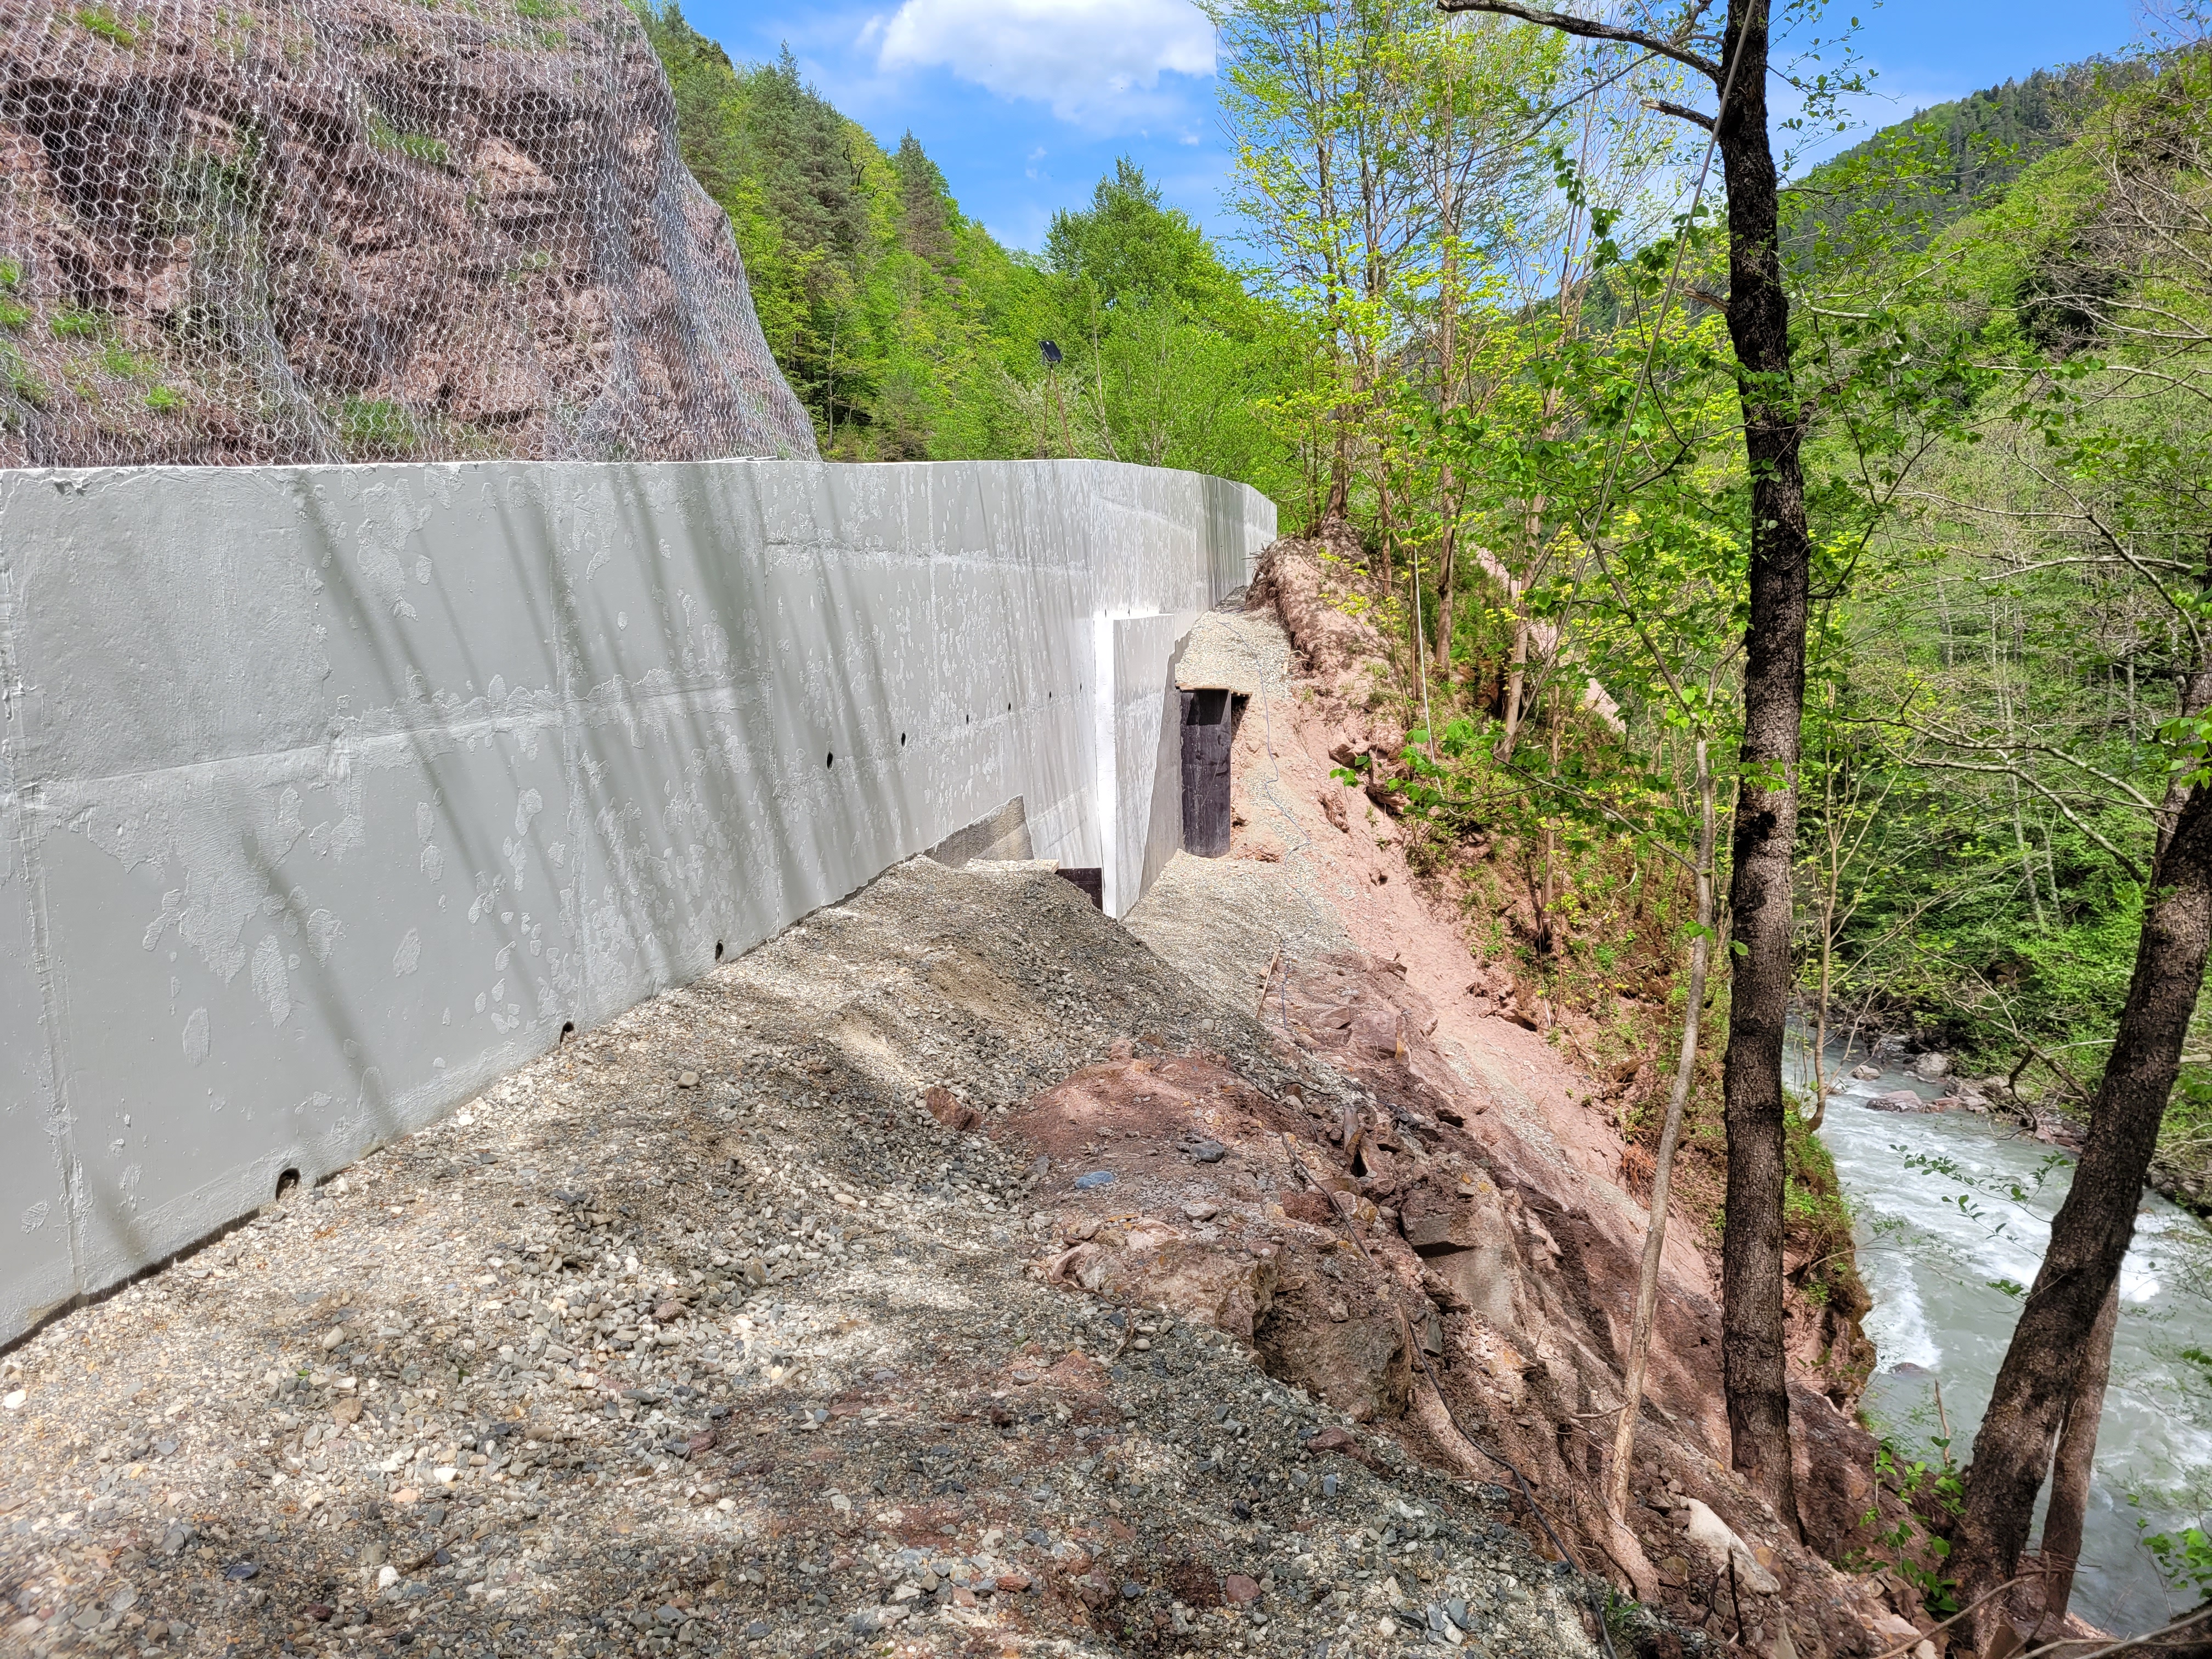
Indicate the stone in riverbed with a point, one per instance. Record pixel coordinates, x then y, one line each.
1899 1100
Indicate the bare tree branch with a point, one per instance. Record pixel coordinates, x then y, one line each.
1566 23
2029 778
1680 111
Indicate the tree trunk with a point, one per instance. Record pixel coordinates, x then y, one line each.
1517 676
2097 1222
1753 1363
2069 1471
1654 1232
1446 574
1755 1367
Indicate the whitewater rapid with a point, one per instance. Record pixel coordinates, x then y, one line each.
1942 1273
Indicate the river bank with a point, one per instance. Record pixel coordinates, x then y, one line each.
1953 1211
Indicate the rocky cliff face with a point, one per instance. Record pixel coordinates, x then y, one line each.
236 231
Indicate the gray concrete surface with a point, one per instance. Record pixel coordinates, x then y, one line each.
329 794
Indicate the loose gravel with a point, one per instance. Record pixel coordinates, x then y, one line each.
721 1329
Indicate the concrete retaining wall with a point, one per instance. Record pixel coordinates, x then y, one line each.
328 794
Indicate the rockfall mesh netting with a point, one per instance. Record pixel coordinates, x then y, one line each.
240 231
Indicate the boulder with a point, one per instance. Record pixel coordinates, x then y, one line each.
1359 1365
1930 1066
1715 1540
1157 1267
949 1109
1866 1073
1899 1100
1471 1259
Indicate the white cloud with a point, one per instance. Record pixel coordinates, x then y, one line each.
1097 62
1888 99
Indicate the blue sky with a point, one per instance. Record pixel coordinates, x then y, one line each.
1024 104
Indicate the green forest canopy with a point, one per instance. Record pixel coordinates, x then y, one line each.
1997 909
910 334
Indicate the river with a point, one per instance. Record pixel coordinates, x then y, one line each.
1941 1243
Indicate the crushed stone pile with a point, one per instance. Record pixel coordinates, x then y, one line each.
767 1319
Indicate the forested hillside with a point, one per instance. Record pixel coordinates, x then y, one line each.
1960 155
910 334
1804 618
1437 342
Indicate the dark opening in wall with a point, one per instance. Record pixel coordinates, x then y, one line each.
567 1031
717 950
1091 878
830 759
287 1184
1208 731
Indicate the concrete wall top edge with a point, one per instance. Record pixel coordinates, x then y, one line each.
73 474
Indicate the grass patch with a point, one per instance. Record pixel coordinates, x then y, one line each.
415 145
16 376
107 25
375 428
130 366
165 400
71 324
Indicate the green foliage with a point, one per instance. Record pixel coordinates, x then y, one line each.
1998 719
2183 1560
16 375
164 400
126 364
1958 157
1909 1548
909 334
72 324
415 145
375 429
107 25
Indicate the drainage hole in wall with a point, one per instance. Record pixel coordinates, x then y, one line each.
830 759
901 739
1010 708
568 1029
287 1184
717 950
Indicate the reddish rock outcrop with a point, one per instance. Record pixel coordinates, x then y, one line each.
231 231
1396 1207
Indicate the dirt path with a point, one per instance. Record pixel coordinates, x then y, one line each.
1321 885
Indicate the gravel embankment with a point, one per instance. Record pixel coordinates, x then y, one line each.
714 1331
